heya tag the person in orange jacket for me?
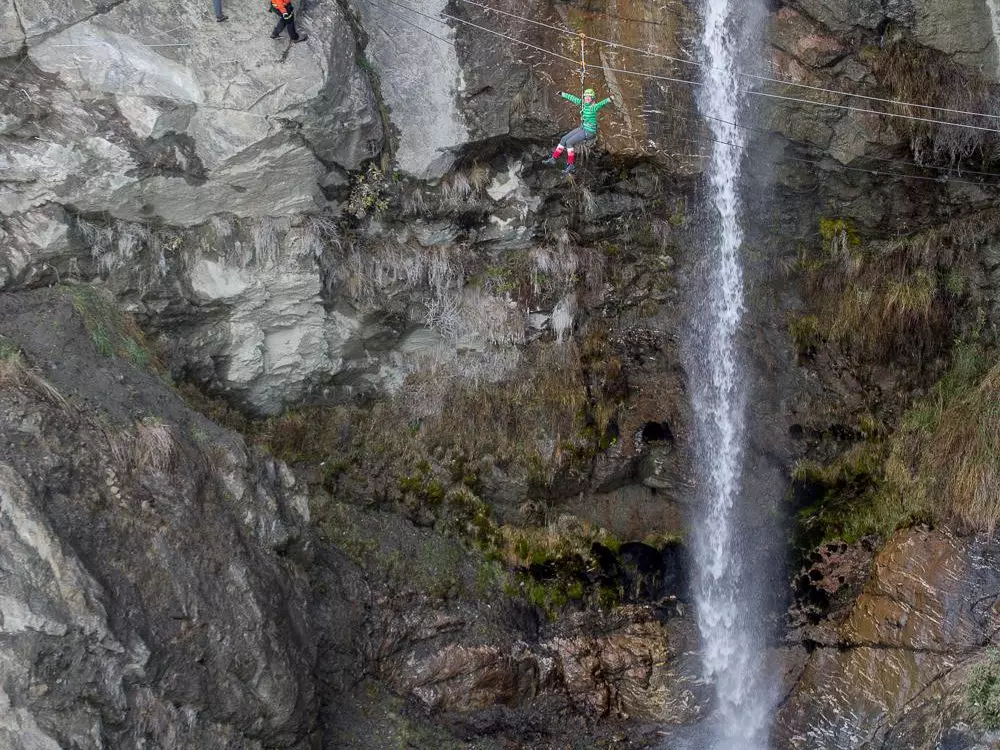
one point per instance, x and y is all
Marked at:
(286, 19)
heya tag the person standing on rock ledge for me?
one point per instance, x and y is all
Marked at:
(286, 18)
(587, 130)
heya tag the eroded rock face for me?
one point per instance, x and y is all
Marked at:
(904, 651)
(143, 600)
(422, 83)
(628, 668)
(962, 28)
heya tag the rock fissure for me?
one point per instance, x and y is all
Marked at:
(960, 650)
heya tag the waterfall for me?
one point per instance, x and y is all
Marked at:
(730, 633)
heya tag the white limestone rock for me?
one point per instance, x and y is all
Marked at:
(421, 80)
(149, 118)
(37, 238)
(11, 33)
(250, 117)
(39, 17)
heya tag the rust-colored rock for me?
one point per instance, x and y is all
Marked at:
(903, 652)
(626, 671)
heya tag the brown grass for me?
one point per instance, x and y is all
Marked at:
(16, 373)
(918, 74)
(883, 299)
(963, 456)
(151, 445)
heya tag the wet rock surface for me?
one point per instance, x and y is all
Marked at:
(904, 650)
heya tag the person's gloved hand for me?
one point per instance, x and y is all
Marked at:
(287, 16)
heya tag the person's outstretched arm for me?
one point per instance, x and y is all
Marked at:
(605, 102)
(575, 99)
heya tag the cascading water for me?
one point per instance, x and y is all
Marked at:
(731, 635)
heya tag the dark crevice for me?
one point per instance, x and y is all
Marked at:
(388, 146)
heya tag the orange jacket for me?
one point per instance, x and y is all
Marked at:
(282, 6)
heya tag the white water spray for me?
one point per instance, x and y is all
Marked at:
(732, 648)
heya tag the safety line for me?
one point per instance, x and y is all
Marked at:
(685, 115)
(837, 164)
(753, 76)
(389, 14)
(482, 28)
(689, 82)
(826, 165)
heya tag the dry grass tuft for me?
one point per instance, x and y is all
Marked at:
(962, 456)
(898, 297)
(377, 271)
(151, 445)
(479, 177)
(16, 373)
(455, 191)
(914, 73)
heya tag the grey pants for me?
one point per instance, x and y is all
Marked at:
(217, 6)
(574, 137)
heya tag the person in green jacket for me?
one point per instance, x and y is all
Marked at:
(587, 130)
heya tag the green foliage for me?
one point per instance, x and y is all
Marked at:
(500, 279)
(368, 193)
(938, 464)
(422, 487)
(804, 331)
(838, 233)
(9, 350)
(113, 332)
(983, 691)
(428, 468)
(839, 497)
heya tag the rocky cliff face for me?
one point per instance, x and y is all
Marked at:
(471, 365)
(149, 594)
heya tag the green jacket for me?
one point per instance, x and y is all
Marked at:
(588, 112)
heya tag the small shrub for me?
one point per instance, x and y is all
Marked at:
(983, 692)
(368, 194)
(804, 331)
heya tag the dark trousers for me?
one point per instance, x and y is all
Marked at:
(282, 23)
